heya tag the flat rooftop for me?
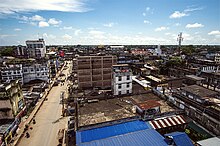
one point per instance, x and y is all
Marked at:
(117, 108)
(194, 77)
(103, 111)
(200, 91)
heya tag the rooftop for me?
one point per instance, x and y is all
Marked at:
(214, 141)
(148, 104)
(167, 121)
(131, 133)
(110, 131)
(194, 77)
(180, 138)
(199, 91)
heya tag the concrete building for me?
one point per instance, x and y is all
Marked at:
(36, 48)
(11, 94)
(121, 81)
(22, 52)
(12, 72)
(36, 71)
(12, 108)
(94, 71)
(200, 104)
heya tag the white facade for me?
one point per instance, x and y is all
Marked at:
(36, 72)
(12, 72)
(122, 80)
(210, 69)
(217, 58)
(37, 48)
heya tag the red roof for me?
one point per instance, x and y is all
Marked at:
(167, 122)
(148, 104)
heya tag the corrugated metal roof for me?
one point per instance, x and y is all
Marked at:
(180, 138)
(214, 141)
(167, 122)
(148, 137)
(109, 131)
(148, 104)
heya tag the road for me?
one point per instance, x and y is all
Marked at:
(48, 120)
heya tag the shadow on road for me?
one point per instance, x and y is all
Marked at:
(57, 120)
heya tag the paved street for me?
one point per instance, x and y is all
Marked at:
(48, 120)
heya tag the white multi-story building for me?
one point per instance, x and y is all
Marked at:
(12, 72)
(37, 48)
(36, 72)
(122, 81)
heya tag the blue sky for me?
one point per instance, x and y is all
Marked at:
(95, 22)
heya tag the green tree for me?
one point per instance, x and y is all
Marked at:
(188, 50)
(7, 52)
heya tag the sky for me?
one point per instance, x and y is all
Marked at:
(110, 22)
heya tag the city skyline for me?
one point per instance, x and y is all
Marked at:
(87, 22)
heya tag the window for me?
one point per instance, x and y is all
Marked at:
(38, 74)
(128, 77)
(37, 69)
(25, 70)
(128, 92)
(128, 85)
(119, 92)
(4, 74)
(15, 72)
(119, 86)
(119, 78)
(32, 69)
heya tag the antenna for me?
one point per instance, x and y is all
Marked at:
(179, 39)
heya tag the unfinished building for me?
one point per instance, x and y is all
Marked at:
(94, 71)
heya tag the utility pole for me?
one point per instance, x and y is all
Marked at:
(179, 39)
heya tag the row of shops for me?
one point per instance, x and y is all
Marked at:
(7, 131)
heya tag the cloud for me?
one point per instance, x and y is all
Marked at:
(24, 18)
(7, 35)
(195, 25)
(17, 29)
(111, 24)
(37, 18)
(18, 6)
(53, 21)
(144, 14)
(168, 33)
(161, 28)
(67, 37)
(147, 22)
(67, 27)
(96, 32)
(178, 14)
(192, 8)
(214, 32)
(147, 8)
(177, 24)
(43, 24)
(48, 36)
(77, 32)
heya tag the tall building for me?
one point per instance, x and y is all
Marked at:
(122, 81)
(94, 71)
(36, 48)
(36, 71)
